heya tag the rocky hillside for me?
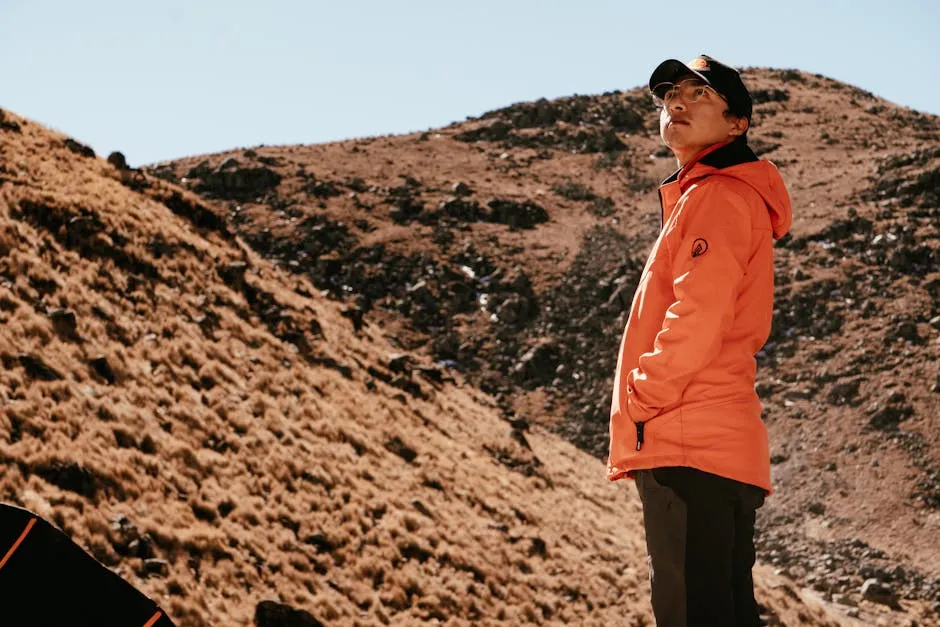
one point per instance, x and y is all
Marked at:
(506, 248)
(214, 430)
(330, 390)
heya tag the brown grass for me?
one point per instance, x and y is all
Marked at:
(256, 471)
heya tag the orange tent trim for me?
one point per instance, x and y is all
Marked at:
(153, 620)
(18, 542)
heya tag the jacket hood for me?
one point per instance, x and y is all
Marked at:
(737, 160)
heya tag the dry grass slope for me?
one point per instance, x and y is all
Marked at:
(509, 246)
(210, 426)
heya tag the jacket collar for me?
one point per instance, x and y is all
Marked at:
(718, 156)
(715, 157)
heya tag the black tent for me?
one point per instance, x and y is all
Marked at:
(48, 580)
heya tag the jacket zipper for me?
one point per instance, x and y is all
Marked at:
(662, 210)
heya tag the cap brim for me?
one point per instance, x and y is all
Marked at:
(670, 70)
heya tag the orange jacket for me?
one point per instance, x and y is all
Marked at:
(684, 387)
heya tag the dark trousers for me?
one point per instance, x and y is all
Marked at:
(700, 539)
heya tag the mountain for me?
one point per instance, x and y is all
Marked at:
(366, 382)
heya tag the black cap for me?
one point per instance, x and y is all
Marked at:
(720, 77)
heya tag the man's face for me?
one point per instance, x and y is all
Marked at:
(693, 119)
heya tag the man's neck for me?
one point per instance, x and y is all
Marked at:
(693, 157)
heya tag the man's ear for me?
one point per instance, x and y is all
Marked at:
(739, 127)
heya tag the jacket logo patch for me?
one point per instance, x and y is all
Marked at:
(699, 247)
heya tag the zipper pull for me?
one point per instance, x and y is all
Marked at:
(639, 434)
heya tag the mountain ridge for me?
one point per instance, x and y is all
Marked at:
(860, 172)
(409, 235)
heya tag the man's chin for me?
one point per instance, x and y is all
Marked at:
(673, 143)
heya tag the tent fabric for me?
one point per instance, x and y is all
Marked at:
(46, 579)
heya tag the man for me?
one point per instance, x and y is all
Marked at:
(685, 419)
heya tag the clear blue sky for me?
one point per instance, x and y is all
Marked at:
(170, 78)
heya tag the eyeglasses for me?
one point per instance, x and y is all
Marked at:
(689, 91)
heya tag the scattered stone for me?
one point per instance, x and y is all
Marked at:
(602, 207)
(462, 210)
(760, 96)
(897, 396)
(357, 184)
(163, 171)
(518, 436)
(434, 374)
(816, 508)
(395, 445)
(407, 205)
(225, 508)
(405, 383)
(156, 567)
(888, 417)
(497, 131)
(38, 369)
(537, 365)
(518, 460)
(322, 189)
(231, 182)
(517, 215)
(127, 540)
(70, 476)
(199, 214)
(234, 275)
(124, 439)
(8, 125)
(538, 547)
(65, 323)
(410, 181)
(877, 592)
(761, 147)
(204, 512)
(461, 189)
(621, 298)
(79, 148)
(274, 614)
(400, 362)
(580, 124)
(573, 190)
(905, 330)
(422, 508)
(118, 160)
(354, 314)
(102, 368)
(844, 599)
(515, 309)
(148, 445)
(843, 392)
(290, 523)
(520, 423)
(142, 546)
(81, 232)
(321, 541)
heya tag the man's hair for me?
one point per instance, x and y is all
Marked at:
(728, 113)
